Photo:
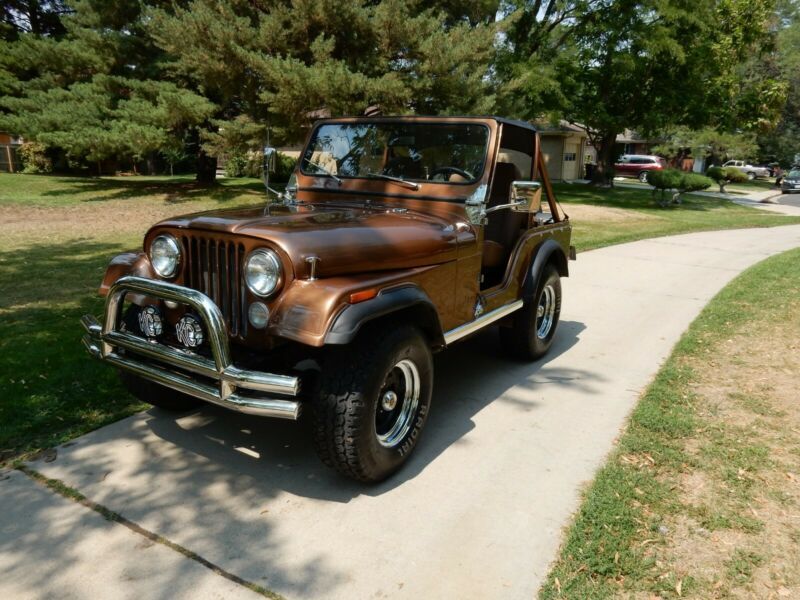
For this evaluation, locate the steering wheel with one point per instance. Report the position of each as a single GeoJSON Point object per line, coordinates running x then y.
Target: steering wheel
{"type": "Point", "coordinates": [447, 170]}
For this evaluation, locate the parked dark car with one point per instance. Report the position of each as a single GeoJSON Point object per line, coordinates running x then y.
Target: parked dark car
{"type": "Point", "coordinates": [791, 182]}
{"type": "Point", "coordinates": [637, 165]}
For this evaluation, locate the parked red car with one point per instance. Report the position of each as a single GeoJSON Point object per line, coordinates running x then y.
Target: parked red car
{"type": "Point", "coordinates": [637, 165]}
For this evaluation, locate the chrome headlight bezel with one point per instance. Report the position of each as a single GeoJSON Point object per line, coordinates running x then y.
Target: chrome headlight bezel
{"type": "Point", "coordinates": [169, 243]}
{"type": "Point", "coordinates": [270, 261]}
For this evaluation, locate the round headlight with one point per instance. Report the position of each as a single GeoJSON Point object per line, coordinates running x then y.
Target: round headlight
{"type": "Point", "coordinates": [165, 254]}
{"type": "Point", "coordinates": [263, 272]}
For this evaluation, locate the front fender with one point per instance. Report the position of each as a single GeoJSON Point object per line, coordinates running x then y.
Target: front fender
{"type": "Point", "coordinates": [408, 299]}
{"type": "Point", "coordinates": [128, 263]}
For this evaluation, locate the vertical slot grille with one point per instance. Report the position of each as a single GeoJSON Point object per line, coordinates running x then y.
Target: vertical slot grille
{"type": "Point", "coordinates": [213, 267]}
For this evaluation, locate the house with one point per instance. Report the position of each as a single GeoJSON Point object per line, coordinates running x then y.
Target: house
{"type": "Point", "coordinates": [565, 150]}
{"type": "Point", "coordinates": [9, 160]}
{"type": "Point", "coordinates": [630, 142]}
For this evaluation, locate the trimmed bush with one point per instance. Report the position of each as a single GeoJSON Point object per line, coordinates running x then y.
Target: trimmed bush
{"type": "Point", "coordinates": [725, 175]}
{"type": "Point", "coordinates": [680, 181]}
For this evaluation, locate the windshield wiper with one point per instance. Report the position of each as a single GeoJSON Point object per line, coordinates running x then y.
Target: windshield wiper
{"type": "Point", "coordinates": [409, 184]}
{"type": "Point", "coordinates": [323, 170]}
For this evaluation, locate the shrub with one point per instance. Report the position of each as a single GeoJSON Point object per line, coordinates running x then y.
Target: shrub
{"type": "Point", "coordinates": [284, 167]}
{"type": "Point", "coordinates": [681, 182]}
{"type": "Point", "coordinates": [725, 175]}
{"type": "Point", "coordinates": [235, 166]}
{"type": "Point", "coordinates": [665, 179]}
{"type": "Point", "coordinates": [34, 158]}
{"type": "Point", "coordinates": [251, 165]}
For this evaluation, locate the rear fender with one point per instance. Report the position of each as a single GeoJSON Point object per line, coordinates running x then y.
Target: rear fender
{"type": "Point", "coordinates": [546, 253]}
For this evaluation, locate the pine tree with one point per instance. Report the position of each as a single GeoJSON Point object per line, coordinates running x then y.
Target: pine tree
{"type": "Point", "coordinates": [93, 87]}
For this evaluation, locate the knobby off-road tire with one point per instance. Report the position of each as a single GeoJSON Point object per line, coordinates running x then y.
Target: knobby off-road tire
{"type": "Point", "coordinates": [147, 391]}
{"type": "Point", "coordinates": [533, 326]}
{"type": "Point", "coordinates": [374, 399]}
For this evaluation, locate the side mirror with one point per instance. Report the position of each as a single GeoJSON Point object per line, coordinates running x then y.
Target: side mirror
{"type": "Point", "coordinates": [270, 159]}
{"type": "Point", "coordinates": [526, 196]}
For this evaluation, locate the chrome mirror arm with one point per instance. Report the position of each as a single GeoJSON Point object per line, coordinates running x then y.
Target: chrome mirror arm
{"type": "Point", "coordinates": [516, 204]}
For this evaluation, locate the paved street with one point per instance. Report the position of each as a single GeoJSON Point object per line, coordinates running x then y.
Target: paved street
{"type": "Point", "coordinates": [789, 199]}
{"type": "Point", "coordinates": [477, 513]}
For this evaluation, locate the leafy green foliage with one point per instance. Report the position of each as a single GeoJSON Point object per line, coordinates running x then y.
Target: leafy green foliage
{"type": "Point", "coordinates": [680, 181]}
{"type": "Point", "coordinates": [725, 175]}
{"type": "Point", "coordinates": [34, 158]}
{"type": "Point", "coordinates": [250, 165]}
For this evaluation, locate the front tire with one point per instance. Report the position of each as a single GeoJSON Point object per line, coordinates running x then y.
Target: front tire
{"type": "Point", "coordinates": [643, 176]}
{"type": "Point", "coordinates": [374, 399]}
{"type": "Point", "coordinates": [751, 176]}
{"type": "Point", "coordinates": [533, 326]}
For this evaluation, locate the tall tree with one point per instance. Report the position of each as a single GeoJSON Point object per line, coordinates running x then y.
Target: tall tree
{"type": "Point", "coordinates": [272, 64]}
{"type": "Point", "coordinates": [93, 86]}
{"type": "Point", "coordinates": [652, 64]}
{"type": "Point", "coordinates": [782, 143]}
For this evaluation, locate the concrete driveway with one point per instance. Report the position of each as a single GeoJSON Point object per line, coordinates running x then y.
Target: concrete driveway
{"type": "Point", "coordinates": [477, 513]}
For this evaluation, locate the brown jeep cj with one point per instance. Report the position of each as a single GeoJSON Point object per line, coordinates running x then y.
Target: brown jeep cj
{"type": "Point", "coordinates": [395, 237]}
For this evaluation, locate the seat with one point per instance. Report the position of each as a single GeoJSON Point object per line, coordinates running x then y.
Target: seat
{"type": "Point", "coordinates": [504, 226]}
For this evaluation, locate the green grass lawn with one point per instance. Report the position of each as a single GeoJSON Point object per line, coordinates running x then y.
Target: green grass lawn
{"type": "Point", "coordinates": [635, 215]}
{"type": "Point", "coordinates": [60, 232]}
{"type": "Point", "coordinates": [700, 496]}
{"type": "Point", "coordinates": [64, 191]}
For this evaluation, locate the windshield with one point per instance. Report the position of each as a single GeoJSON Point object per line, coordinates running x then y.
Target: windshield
{"type": "Point", "coordinates": [794, 174]}
{"type": "Point", "coordinates": [421, 152]}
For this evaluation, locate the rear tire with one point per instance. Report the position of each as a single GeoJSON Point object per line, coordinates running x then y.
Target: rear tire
{"type": "Point", "coordinates": [533, 327]}
{"type": "Point", "coordinates": [643, 176]}
{"type": "Point", "coordinates": [374, 399]}
{"type": "Point", "coordinates": [157, 395]}
{"type": "Point", "coordinates": [751, 176]}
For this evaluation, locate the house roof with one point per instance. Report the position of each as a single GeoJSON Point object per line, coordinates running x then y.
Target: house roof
{"type": "Point", "coordinates": [561, 128]}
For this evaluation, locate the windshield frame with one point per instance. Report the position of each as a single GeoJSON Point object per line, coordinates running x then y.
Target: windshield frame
{"type": "Point", "coordinates": [411, 120]}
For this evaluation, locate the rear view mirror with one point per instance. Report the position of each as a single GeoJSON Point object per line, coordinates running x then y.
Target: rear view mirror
{"type": "Point", "coordinates": [526, 196]}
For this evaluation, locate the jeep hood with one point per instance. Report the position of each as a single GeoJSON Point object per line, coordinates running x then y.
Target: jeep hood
{"type": "Point", "coordinates": [346, 239]}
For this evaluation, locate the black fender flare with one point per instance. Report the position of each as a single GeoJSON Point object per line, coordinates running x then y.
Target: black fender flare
{"type": "Point", "coordinates": [408, 299]}
{"type": "Point", "coordinates": [546, 252]}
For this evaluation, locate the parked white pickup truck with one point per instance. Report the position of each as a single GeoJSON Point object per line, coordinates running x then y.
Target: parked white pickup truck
{"type": "Point", "coordinates": [751, 171]}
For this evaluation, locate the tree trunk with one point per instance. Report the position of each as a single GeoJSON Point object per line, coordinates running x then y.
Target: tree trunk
{"type": "Point", "coordinates": [604, 171]}
{"type": "Point", "coordinates": [206, 168]}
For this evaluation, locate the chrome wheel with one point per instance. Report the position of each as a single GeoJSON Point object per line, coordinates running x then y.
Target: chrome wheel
{"type": "Point", "coordinates": [545, 312]}
{"type": "Point", "coordinates": [643, 176]}
{"type": "Point", "coordinates": [398, 401]}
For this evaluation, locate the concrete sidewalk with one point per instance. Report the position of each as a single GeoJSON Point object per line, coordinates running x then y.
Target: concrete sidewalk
{"type": "Point", "coordinates": [478, 511]}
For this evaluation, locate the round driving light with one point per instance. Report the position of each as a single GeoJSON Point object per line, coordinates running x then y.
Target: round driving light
{"type": "Point", "coordinates": [189, 331]}
{"type": "Point", "coordinates": [165, 254]}
{"type": "Point", "coordinates": [150, 322]}
{"type": "Point", "coordinates": [258, 313]}
{"type": "Point", "coordinates": [263, 272]}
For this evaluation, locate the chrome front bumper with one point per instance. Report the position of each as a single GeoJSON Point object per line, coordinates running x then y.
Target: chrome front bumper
{"type": "Point", "coordinates": [164, 364]}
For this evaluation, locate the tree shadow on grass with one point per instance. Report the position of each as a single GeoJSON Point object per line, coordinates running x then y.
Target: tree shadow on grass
{"type": "Point", "coordinates": [51, 389]}
{"type": "Point", "coordinates": [174, 190]}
